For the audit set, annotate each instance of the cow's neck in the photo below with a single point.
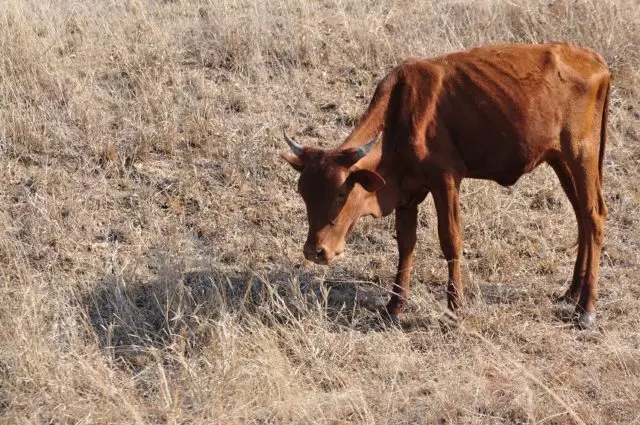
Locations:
(390, 195)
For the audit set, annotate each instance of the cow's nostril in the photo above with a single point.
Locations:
(321, 254)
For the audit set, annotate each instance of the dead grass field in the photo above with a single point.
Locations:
(151, 250)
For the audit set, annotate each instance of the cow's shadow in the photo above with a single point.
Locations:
(177, 310)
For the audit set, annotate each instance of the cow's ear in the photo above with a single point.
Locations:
(369, 180)
(294, 160)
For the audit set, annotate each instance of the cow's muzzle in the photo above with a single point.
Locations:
(319, 254)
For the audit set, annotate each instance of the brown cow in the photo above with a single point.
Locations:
(495, 113)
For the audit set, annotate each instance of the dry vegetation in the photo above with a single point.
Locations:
(150, 257)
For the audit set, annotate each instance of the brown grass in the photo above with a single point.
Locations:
(151, 237)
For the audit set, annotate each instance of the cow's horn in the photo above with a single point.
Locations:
(365, 149)
(296, 148)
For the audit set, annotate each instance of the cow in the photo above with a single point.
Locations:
(494, 112)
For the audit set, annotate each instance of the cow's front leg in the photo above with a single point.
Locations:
(446, 197)
(406, 225)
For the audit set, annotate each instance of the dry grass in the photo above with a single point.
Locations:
(151, 236)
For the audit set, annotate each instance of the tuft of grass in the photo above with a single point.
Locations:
(151, 267)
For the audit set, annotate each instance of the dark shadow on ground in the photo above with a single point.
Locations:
(177, 310)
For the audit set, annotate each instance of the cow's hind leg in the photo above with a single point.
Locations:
(446, 197)
(593, 210)
(566, 180)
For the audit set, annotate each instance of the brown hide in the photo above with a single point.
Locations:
(495, 113)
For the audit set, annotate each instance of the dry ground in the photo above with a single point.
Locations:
(150, 257)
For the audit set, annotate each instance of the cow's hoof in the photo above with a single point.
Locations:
(587, 320)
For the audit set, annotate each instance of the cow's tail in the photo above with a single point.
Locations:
(603, 129)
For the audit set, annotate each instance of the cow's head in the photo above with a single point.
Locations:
(336, 193)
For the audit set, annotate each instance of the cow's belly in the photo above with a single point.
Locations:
(506, 163)
(503, 177)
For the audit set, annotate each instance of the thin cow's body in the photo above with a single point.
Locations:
(493, 113)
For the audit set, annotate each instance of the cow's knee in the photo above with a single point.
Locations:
(450, 244)
(596, 219)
